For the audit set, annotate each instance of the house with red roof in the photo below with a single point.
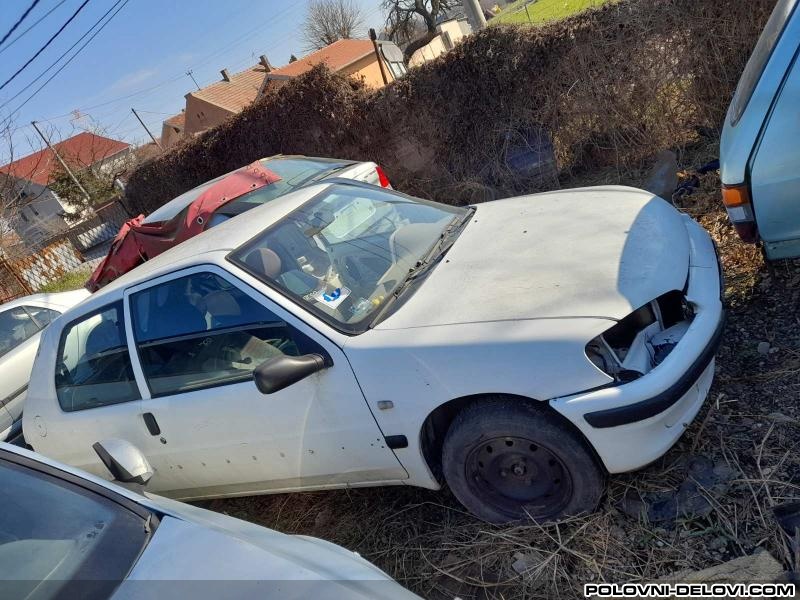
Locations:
(36, 212)
(211, 105)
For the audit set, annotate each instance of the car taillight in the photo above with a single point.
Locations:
(736, 199)
(382, 178)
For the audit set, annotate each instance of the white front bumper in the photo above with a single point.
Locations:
(631, 445)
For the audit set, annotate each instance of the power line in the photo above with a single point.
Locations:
(31, 26)
(63, 54)
(165, 82)
(47, 43)
(78, 51)
(19, 21)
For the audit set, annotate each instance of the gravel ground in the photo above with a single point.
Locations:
(736, 461)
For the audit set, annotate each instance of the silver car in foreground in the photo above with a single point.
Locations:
(21, 325)
(67, 534)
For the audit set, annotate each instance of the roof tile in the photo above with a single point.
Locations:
(79, 151)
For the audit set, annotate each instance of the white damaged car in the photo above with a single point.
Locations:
(347, 335)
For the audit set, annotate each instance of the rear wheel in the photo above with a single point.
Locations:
(505, 460)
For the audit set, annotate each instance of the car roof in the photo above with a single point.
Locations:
(211, 245)
(177, 204)
(62, 299)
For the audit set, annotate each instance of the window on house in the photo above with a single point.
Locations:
(93, 367)
(201, 331)
(447, 40)
(398, 69)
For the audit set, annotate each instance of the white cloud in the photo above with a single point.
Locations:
(132, 80)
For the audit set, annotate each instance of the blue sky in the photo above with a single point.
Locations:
(138, 60)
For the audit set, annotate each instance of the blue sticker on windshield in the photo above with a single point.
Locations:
(334, 295)
(333, 298)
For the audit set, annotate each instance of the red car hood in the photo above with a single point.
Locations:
(137, 242)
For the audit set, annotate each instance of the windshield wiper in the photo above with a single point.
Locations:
(446, 239)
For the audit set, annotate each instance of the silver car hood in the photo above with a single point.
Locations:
(589, 252)
(198, 554)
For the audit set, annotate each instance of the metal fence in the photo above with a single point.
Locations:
(33, 268)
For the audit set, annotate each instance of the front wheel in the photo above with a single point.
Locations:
(507, 460)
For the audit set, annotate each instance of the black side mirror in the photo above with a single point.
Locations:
(280, 372)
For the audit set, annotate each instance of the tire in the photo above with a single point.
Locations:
(506, 459)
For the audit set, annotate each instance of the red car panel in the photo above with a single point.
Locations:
(137, 242)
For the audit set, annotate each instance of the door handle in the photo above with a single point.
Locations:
(151, 423)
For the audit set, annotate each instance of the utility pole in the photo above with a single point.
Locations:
(190, 73)
(133, 110)
(61, 160)
(475, 14)
(373, 36)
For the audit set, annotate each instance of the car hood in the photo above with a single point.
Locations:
(193, 552)
(587, 252)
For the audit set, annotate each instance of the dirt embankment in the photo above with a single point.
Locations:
(610, 87)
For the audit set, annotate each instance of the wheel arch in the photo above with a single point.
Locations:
(436, 424)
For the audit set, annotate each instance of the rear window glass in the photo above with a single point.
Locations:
(293, 172)
(758, 60)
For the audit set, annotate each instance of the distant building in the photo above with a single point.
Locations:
(36, 211)
(172, 130)
(449, 33)
(211, 105)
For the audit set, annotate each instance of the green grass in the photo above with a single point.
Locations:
(541, 11)
(71, 281)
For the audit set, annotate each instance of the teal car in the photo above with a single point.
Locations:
(759, 149)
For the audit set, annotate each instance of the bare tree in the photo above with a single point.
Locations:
(404, 18)
(328, 21)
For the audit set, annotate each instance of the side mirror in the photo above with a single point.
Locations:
(125, 461)
(280, 372)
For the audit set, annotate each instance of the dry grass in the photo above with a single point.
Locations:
(750, 424)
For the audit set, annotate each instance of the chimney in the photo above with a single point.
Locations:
(225, 75)
(265, 63)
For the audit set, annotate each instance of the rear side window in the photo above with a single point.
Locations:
(758, 59)
(16, 326)
(201, 331)
(93, 366)
(42, 316)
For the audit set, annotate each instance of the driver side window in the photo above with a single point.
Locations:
(201, 331)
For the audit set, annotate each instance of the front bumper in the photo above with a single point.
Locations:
(632, 425)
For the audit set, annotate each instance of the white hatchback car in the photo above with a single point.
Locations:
(348, 335)
(21, 324)
(67, 534)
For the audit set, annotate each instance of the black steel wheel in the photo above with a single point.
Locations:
(506, 460)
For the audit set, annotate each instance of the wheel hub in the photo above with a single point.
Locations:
(519, 477)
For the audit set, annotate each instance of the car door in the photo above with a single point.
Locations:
(198, 335)
(96, 394)
(775, 172)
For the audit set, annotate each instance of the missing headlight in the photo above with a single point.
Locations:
(643, 339)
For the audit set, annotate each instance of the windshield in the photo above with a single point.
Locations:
(60, 540)
(343, 253)
(16, 326)
(758, 60)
